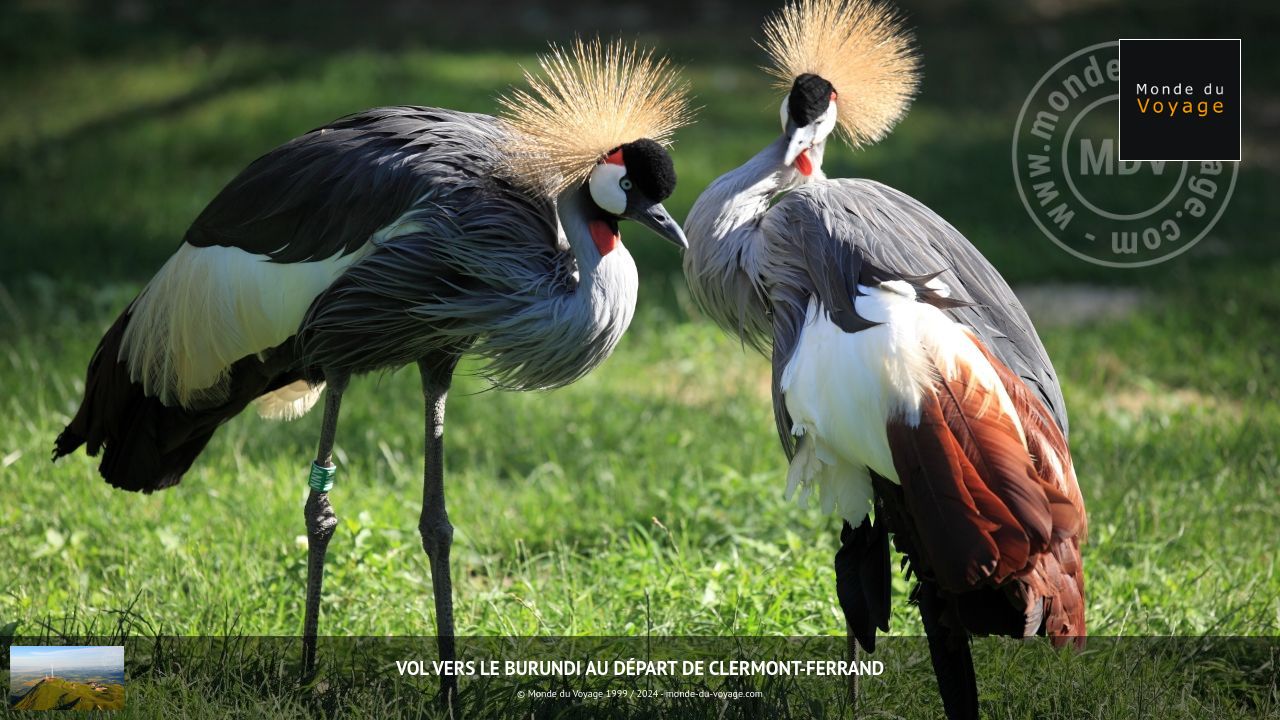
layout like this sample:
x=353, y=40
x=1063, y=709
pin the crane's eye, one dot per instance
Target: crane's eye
x=625, y=183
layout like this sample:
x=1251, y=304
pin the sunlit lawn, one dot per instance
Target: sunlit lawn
x=646, y=498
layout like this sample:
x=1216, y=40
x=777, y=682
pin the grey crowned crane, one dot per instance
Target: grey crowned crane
x=910, y=389
x=395, y=235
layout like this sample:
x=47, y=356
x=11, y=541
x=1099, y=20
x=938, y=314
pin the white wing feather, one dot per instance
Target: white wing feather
x=842, y=389
x=211, y=306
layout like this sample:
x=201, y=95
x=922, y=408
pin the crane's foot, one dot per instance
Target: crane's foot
x=321, y=522
x=437, y=541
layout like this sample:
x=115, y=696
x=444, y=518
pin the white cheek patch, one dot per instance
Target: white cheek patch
x=826, y=123
x=783, y=113
x=605, y=188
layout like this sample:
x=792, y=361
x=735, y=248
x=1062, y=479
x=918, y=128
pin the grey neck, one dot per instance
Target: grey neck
x=548, y=337
x=539, y=328
x=726, y=245
x=590, y=321
x=609, y=282
x=573, y=209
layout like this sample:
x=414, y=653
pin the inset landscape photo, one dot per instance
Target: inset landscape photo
x=70, y=677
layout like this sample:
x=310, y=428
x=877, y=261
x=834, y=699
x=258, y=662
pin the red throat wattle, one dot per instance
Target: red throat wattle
x=804, y=164
x=605, y=236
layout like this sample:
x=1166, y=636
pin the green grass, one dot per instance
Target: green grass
x=645, y=499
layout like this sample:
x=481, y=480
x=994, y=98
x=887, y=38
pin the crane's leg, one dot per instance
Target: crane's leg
x=854, y=654
x=952, y=659
x=862, y=585
x=433, y=524
x=319, y=515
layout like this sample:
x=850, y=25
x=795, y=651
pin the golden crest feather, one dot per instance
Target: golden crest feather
x=860, y=47
x=588, y=100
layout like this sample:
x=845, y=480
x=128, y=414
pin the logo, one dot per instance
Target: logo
x=1101, y=209
x=1180, y=100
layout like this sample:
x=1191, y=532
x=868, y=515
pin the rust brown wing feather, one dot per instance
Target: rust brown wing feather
x=1060, y=572
x=937, y=483
x=992, y=446
x=992, y=506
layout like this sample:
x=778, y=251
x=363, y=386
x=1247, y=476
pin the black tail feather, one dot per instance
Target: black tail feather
x=862, y=580
x=146, y=445
x=949, y=650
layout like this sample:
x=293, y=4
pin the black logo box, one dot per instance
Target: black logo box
x=1175, y=72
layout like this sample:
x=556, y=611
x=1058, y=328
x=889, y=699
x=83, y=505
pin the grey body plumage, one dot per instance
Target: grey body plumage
x=462, y=259
x=755, y=260
x=893, y=230
x=725, y=260
x=909, y=385
x=767, y=245
x=391, y=236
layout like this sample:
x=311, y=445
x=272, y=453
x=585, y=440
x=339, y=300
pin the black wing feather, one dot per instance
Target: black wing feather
x=326, y=192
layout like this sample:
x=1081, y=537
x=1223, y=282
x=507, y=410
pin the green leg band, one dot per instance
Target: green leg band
x=321, y=479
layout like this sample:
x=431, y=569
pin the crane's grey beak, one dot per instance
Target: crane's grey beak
x=801, y=139
x=656, y=218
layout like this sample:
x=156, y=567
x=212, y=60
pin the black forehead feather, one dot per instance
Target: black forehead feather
x=649, y=166
x=810, y=95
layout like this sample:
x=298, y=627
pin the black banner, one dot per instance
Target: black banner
x=685, y=677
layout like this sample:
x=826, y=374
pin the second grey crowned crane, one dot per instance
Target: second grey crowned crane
x=908, y=381
x=395, y=235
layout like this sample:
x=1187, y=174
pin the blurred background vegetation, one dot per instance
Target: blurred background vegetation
x=648, y=496
x=122, y=119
